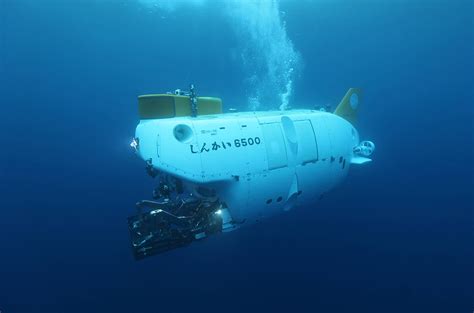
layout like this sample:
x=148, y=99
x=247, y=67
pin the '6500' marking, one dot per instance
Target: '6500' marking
x=218, y=145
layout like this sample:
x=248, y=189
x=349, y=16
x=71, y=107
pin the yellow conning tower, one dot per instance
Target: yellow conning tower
x=156, y=106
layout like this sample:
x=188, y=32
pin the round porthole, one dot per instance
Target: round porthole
x=183, y=133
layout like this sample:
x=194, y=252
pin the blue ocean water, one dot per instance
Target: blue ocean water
x=396, y=236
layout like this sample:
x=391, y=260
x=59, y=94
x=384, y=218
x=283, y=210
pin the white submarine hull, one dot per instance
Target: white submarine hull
x=257, y=164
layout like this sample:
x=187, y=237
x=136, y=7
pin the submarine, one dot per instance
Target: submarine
x=217, y=171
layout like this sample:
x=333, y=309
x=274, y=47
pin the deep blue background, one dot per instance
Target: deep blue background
x=397, y=236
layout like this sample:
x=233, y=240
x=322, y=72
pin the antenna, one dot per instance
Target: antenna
x=193, y=98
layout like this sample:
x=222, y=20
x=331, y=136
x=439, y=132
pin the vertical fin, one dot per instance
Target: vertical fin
x=349, y=105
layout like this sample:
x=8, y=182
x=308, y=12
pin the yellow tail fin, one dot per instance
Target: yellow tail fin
x=349, y=105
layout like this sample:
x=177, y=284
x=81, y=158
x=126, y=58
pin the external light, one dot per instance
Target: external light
x=134, y=144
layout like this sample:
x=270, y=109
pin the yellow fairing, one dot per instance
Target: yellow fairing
x=349, y=105
x=166, y=106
